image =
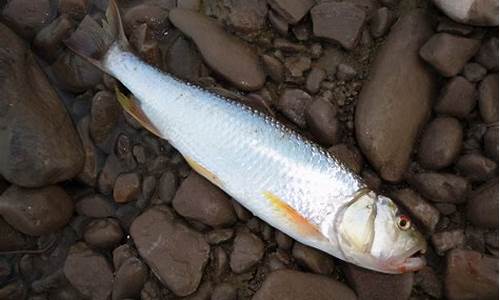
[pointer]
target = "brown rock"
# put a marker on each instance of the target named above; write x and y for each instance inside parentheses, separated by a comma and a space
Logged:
(183, 60)
(150, 13)
(127, 187)
(146, 47)
(104, 114)
(92, 162)
(284, 241)
(225, 291)
(441, 187)
(95, 206)
(428, 280)
(167, 186)
(446, 240)
(291, 10)
(103, 233)
(474, 72)
(380, 22)
(441, 143)
(340, 22)
(74, 73)
(314, 79)
(247, 16)
(482, 207)
(248, 250)
(129, 279)
(121, 254)
(457, 98)
(488, 54)
(278, 23)
(293, 104)
(288, 284)
(76, 9)
(322, 121)
(11, 239)
(420, 209)
(48, 41)
(374, 285)
(448, 53)
(26, 17)
(202, 201)
(225, 54)
(345, 72)
(297, 65)
(218, 236)
(490, 140)
(176, 253)
(471, 275)
(315, 260)
(349, 155)
(36, 211)
(479, 13)
(274, 68)
(27, 96)
(476, 167)
(387, 121)
(488, 98)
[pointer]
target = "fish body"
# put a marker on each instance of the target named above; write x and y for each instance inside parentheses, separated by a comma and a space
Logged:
(284, 179)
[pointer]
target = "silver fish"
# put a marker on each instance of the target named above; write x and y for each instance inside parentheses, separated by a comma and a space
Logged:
(287, 181)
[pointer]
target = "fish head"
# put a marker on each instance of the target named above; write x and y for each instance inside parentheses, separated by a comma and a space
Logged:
(374, 234)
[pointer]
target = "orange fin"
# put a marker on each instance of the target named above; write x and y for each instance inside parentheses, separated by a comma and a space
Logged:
(303, 225)
(204, 172)
(134, 109)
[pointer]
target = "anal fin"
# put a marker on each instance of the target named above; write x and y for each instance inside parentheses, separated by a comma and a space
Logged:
(204, 172)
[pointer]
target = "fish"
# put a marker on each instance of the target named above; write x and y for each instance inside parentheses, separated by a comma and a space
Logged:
(281, 177)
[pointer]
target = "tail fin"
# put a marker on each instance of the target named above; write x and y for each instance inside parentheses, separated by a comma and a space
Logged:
(92, 41)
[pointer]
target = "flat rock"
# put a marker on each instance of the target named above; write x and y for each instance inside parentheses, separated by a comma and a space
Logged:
(482, 207)
(26, 98)
(247, 16)
(89, 272)
(349, 155)
(293, 104)
(95, 206)
(470, 275)
(167, 186)
(129, 279)
(288, 284)
(104, 114)
(36, 211)
(388, 120)
(441, 187)
(200, 200)
(440, 144)
(127, 187)
(92, 160)
(476, 167)
(225, 54)
(292, 11)
(315, 260)
(340, 22)
(428, 280)
(446, 240)
(488, 98)
(103, 233)
(74, 74)
(248, 250)
(473, 12)
(176, 253)
(48, 42)
(487, 55)
(322, 121)
(457, 99)
(449, 53)
(474, 72)
(26, 17)
(374, 285)
(418, 207)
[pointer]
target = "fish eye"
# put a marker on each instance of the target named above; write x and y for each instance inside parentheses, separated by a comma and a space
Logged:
(403, 222)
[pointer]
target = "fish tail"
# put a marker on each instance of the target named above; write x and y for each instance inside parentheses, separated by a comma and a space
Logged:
(92, 41)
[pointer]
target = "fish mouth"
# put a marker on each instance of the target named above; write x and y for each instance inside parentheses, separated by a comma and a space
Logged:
(414, 260)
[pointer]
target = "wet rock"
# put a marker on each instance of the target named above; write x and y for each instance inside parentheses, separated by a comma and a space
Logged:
(488, 98)
(349, 155)
(74, 73)
(202, 201)
(448, 53)
(129, 279)
(314, 260)
(104, 114)
(380, 22)
(103, 233)
(183, 60)
(428, 280)
(146, 47)
(221, 264)
(225, 54)
(26, 98)
(95, 206)
(474, 12)
(121, 254)
(127, 188)
(14, 290)
(148, 187)
(474, 72)
(476, 167)
(322, 121)
(92, 159)
(297, 65)
(288, 46)
(11, 239)
(166, 244)
(388, 144)
(89, 272)
(490, 140)
(274, 68)
(445, 208)
(36, 211)
(284, 241)
(441, 187)
(248, 250)
(314, 79)
(225, 291)
(218, 236)
(26, 17)
(203, 292)
(293, 104)
(345, 72)
(242, 213)
(76, 9)
(441, 143)
(291, 11)
(482, 207)
(278, 23)
(446, 240)
(488, 54)
(449, 26)
(470, 275)
(420, 209)
(112, 168)
(374, 285)
(247, 16)
(152, 14)
(167, 186)
(48, 41)
(340, 22)
(288, 284)
(457, 98)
